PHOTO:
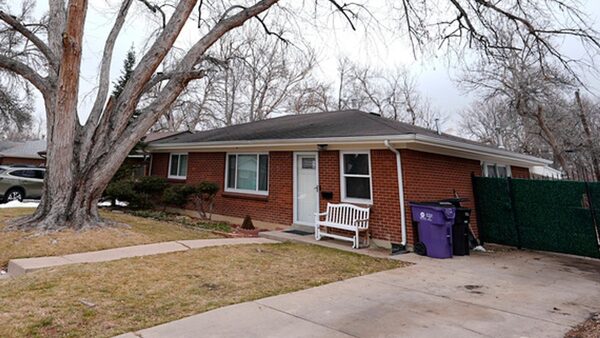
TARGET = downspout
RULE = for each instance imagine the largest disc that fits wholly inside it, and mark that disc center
(400, 191)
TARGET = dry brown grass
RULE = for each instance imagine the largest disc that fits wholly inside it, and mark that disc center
(19, 244)
(132, 294)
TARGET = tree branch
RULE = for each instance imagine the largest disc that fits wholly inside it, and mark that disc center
(107, 55)
(19, 27)
(194, 55)
(26, 72)
(129, 98)
(160, 77)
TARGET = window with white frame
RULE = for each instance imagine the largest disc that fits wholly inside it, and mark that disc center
(247, 173)
(178, 166)
(356, 177)
(496, 170)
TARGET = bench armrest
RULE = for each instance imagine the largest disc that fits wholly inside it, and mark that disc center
(360, 220)
(320, 214)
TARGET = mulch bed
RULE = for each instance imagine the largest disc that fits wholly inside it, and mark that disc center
(588, 329)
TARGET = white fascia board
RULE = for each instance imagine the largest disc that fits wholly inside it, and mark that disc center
(276, 143)
(402, 141)
(482, 150)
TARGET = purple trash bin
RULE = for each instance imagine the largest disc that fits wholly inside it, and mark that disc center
(434, 228)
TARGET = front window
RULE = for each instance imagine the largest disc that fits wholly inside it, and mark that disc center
(248, 173)
(178, 166)
(496, 170)
(356, 177)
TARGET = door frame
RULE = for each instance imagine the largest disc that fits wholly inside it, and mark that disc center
(295, 185)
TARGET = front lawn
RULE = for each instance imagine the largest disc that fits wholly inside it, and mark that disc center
(20, 244)
(106, 299)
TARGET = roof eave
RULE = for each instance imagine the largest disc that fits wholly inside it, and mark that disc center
(482, 149)
(404, 139)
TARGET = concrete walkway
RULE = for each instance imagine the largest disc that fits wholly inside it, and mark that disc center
(503, 294)
(21, 266)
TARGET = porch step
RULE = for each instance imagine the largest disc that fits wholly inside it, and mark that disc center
(305, 228)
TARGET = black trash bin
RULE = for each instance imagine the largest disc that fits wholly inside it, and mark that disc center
(460, 229)
(460, 232)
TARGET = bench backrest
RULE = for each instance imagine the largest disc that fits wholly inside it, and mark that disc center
(346, 214)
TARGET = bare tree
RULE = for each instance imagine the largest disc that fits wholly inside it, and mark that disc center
(392, 93)
(260, 75)
(76, 150)
(253, 78)
(529, 89)
(591, 138)
(312, 96)
(15, 113)
(479, 24)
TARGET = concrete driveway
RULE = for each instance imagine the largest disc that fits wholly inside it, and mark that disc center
(502, 294)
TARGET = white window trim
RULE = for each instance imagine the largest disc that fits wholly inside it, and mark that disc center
(486, 164)
(247, 191)
(177, 177)
(343, 178)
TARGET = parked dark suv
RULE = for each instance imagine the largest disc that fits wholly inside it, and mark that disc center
(18, 183)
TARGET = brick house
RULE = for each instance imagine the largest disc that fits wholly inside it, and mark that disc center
(24, 153)
(281, 171)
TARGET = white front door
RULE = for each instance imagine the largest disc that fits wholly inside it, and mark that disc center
(306, 188)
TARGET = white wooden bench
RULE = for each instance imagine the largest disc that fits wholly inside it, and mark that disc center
(344, 217)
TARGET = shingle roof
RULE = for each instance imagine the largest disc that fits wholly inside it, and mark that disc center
(8, 144)
(346, 123)
(155, 136)
(27, 149)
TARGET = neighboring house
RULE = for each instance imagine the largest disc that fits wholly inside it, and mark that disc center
(26, 153)
(34, 152)
(284, 170)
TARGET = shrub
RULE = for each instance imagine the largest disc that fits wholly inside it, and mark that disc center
(204, 198)
(150, 185)
(121, 190)
(139, 193)
(178, 195)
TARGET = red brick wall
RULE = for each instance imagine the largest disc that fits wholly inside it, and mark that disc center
(277, 207)
(519, 172)
(385, 211)
(329, 176)
(160, 164)
(432, 177)
(18, 160)
(426, 177)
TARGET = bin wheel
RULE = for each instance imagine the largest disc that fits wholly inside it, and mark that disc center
(421, 249)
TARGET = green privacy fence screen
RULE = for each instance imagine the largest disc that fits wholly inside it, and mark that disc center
(539, 214)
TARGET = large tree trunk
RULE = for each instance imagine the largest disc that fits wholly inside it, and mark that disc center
(82, 159)
(550, 138)
(72, 207)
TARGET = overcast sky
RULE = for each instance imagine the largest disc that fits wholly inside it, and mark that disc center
(381, 49)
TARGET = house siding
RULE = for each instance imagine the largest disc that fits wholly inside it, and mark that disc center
(19, 160)
(384, 222)
(429, 177)
(277, 207)
(519, 172)
(426, 176)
